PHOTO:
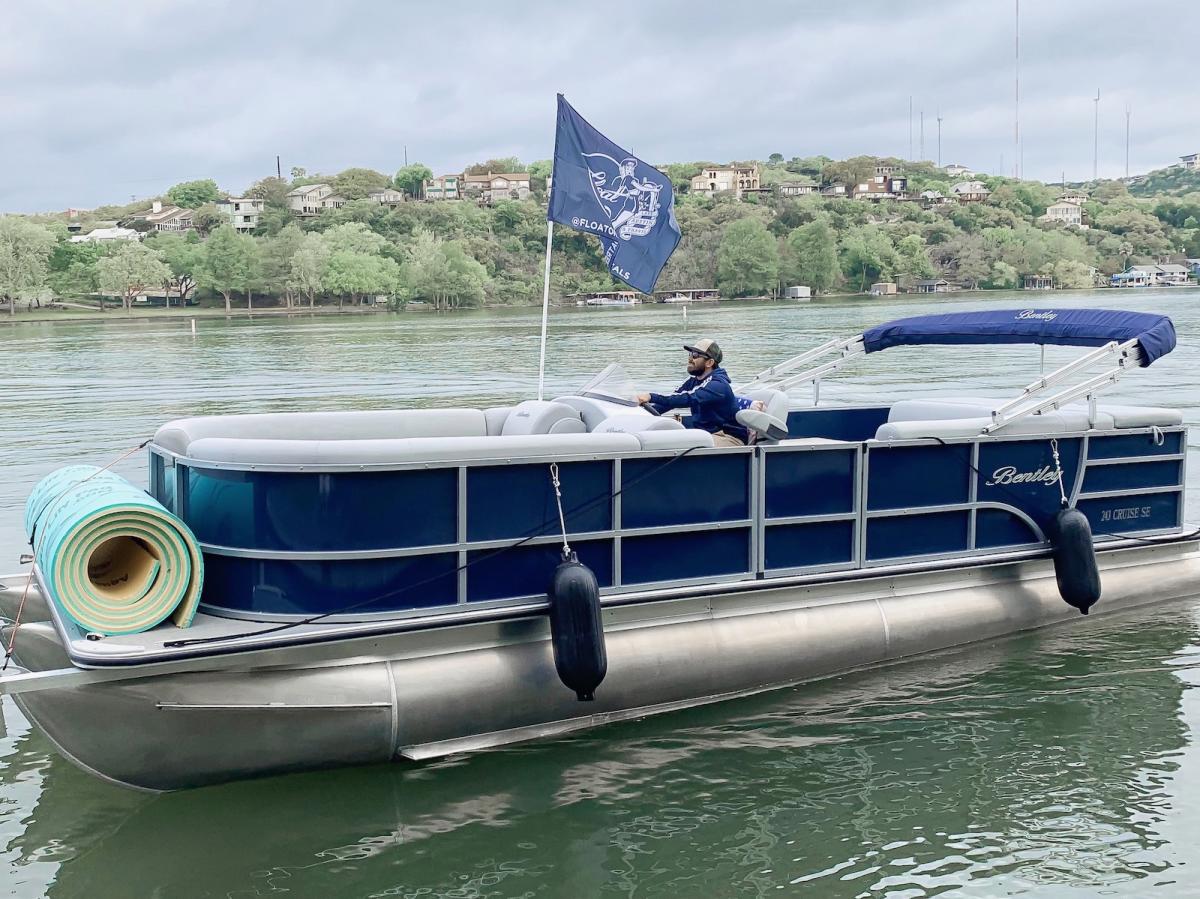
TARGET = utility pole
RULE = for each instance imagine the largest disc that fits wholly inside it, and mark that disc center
(910, 144)
(1096, 139)
(939, 118)
(406, 155)
(922, 134)
(1128, 111)
(1017, 89)
(278, 168)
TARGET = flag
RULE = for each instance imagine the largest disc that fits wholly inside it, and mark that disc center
(600, 189)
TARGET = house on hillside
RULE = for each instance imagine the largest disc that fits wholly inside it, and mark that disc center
(387, 196)
(1064, 212)
(970, 192)
(834, 190)
(1073, 196)
(723, 180)
(243, 212)
(881, 187)
(954, 170)
(310, 199)
(797, 188)
(444, 187)
(491, 187)
(1191, 161)
(934, 198)
(165, 218)
(1038, 282)
(104, 235)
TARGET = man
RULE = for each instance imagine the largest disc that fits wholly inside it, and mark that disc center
(707, 393)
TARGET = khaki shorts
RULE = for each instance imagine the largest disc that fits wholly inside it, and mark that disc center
(720, 438)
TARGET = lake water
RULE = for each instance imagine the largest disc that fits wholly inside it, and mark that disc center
(1059, 763)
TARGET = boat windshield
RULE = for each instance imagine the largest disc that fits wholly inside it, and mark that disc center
(611, 384)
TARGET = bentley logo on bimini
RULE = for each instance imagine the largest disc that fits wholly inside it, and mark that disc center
(630, 202)
(1008, 474)
(1038, 316)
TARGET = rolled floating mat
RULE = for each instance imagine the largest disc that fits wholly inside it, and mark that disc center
(113, 559)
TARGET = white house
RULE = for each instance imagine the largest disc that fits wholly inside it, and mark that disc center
(387, 196)
(1064, 211)
(101, 235)
(954, 170)
(444, 187)
(243, 212)
(1191, 161)
(310, 199)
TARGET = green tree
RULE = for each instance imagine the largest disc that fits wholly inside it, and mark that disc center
(184, 255)
(130, 269)
(354, 184)
(411, 179)
(278, 252)
(441, 272)
(912, 258)
(227, 265)
(748, 260)
(72, 268)
(354, 237)
(208, 218)
(308, 266)
(25, 250)
(867, 255)
(272, 191)
(194, 194)
(360, 274)
(810, 256)
(1070, 274)
(503, 165)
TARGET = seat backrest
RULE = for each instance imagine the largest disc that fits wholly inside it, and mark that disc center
(594, 411)
(775, 402)
(542, 417)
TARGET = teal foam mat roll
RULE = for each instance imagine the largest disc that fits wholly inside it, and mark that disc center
(111, 556)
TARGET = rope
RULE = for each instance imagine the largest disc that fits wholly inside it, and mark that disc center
(16, 622)
(1062, 492)
(562, 522)
(537, 532)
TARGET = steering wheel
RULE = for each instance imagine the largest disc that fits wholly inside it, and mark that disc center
(649, 408)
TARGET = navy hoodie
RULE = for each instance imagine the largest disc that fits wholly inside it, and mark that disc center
(711, 401)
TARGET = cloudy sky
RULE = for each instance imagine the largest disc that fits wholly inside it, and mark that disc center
(112, 99)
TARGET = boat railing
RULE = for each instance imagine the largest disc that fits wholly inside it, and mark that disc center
(1121, 356)
(783, 376)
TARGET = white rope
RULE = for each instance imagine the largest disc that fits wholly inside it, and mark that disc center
(1058, 467)
(562, 522)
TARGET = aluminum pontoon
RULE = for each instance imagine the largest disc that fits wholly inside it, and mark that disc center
(375, 582)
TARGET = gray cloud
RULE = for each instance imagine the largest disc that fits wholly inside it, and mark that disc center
(104, 101)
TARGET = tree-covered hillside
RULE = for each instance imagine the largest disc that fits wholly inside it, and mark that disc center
(454, 253)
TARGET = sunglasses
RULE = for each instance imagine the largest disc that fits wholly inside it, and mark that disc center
(699, 356)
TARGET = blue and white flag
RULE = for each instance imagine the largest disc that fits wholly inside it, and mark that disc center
(600, 189)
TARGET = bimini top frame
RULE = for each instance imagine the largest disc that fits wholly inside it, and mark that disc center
(1124, 339)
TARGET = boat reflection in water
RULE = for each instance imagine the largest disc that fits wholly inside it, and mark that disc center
(1047, 755)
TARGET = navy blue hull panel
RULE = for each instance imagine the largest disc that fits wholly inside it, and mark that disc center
(528, 570)
(906, 477)
(1116, 515)
(1021, 473)
(809, 483)
(916, 535)
(1133, 445)
(316, 512)
(800, 545)
(280, 586)
(1132, 476)
(513, 501)
(674, 557)
(691, 490)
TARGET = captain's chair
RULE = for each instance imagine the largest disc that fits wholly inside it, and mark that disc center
(768, 425)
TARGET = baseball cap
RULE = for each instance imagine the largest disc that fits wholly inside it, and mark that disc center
(708, 347)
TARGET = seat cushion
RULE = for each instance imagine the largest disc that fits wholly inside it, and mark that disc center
(1062, 421)
(176, 436)
(636, 423)
(1142, 416)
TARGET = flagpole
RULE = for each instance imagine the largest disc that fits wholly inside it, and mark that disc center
(545, 309)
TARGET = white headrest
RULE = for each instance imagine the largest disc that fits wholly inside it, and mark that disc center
(540, 417)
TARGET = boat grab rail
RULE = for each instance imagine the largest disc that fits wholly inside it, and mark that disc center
(1122, 354)
(776, 376)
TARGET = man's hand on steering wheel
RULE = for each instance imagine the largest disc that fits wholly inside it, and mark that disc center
(643, 400)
